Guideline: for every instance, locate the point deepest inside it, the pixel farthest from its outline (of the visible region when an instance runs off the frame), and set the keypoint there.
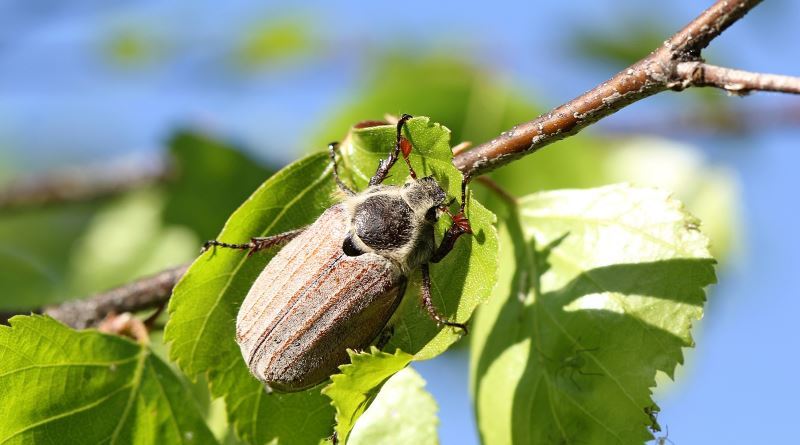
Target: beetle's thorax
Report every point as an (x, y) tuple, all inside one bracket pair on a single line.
[(396, 222)]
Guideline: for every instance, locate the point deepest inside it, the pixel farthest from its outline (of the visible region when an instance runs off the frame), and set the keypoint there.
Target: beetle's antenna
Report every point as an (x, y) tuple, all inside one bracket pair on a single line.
[(401, 144)]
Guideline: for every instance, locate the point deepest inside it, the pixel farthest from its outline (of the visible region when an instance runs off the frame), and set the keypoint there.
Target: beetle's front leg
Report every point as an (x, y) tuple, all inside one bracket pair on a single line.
[(425, 292), (401, 144), (257, 244)]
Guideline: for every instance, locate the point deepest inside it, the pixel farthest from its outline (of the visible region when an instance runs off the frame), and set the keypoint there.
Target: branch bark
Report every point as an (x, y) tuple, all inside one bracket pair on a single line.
[(655, 73), (148, 292)]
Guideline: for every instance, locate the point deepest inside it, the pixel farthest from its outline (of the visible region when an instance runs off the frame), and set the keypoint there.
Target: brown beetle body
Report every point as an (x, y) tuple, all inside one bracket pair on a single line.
[(338, 282), (312, 302)]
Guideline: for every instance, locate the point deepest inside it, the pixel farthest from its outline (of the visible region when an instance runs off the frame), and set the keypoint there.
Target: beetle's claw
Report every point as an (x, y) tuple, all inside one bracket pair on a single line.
[(461, 326), (462, 222)]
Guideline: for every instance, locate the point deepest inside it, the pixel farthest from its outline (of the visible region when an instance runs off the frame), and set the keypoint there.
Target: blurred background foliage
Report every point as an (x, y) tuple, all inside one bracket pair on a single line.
[(224, 97)]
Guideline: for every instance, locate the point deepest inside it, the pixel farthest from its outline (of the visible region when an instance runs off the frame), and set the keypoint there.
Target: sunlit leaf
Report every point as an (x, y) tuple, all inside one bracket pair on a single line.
[(402, 414), (356, 387), (600, 293), (709, 191)]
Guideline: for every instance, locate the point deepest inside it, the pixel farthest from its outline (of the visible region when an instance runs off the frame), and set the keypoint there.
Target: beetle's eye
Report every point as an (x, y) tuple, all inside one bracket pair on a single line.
[(431, 215)]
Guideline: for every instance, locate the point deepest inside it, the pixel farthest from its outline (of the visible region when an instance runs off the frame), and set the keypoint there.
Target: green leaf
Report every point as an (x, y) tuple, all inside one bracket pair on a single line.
[(54, 379), (356, 387), (403, 413), (212, 178), (711, 192), (126, 239), (204, 304), (606, 286)]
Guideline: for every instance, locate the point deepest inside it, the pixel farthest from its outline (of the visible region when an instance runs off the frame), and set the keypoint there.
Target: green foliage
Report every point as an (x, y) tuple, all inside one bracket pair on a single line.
[(35, 249), (599, 293), (62, 386), (212, 177), (630, 42), (135, 46), (477, 105), (126, 238), (356, 387), (403, 414), (272, 42), (205, 302)]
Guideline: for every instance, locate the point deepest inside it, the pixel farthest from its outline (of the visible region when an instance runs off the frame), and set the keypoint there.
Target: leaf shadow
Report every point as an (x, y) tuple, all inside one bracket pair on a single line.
[(590, 367)]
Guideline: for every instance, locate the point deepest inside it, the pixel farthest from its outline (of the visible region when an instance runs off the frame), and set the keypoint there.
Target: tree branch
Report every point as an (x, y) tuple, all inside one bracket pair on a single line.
[(655, 73), (148, 292), (738, 82)]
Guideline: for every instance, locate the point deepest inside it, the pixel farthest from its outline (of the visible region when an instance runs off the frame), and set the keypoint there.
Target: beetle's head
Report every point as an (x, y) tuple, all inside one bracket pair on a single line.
[(425, 196)]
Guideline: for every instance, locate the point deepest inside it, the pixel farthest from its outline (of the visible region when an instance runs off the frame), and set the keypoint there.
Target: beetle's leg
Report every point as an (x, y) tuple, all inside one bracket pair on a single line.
[(342, 186), (258, 243), (459, 227), (400, 143), (426, 301)]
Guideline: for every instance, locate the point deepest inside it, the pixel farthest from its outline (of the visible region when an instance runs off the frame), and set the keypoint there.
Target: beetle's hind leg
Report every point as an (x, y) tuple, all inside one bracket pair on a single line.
[(342, 186), (428, 303), (256, 244)]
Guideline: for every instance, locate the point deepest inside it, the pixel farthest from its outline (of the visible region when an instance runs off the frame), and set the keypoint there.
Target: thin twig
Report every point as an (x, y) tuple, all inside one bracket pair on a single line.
[(497, 189), (655, 73), (737, 82)]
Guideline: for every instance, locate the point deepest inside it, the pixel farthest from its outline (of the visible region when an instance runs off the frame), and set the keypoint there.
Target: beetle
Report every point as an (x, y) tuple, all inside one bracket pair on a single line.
[(335, 284)]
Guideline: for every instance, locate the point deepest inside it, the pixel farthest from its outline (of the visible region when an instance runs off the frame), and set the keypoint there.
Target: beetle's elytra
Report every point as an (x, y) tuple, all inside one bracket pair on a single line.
[(337, 282)]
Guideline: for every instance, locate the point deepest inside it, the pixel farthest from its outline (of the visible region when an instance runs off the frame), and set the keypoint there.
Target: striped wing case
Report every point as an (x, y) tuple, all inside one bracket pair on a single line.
[(311, 303)]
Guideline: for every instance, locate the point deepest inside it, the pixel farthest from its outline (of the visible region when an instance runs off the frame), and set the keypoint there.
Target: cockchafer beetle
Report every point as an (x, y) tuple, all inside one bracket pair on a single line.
[(336, 283)]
